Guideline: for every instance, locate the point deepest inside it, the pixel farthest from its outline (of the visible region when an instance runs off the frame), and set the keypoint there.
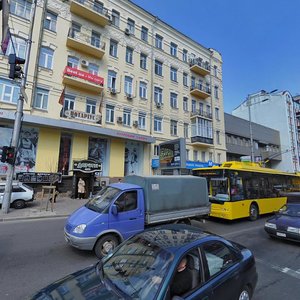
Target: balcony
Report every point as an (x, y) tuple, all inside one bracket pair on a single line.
[(88, 44), (91, 11), (198, 66), (201, 113), (202, 134), (83, 80), (200, 91)]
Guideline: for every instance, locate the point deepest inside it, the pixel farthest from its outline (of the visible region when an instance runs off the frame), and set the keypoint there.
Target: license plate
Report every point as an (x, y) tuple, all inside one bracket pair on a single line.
[(281, 234)]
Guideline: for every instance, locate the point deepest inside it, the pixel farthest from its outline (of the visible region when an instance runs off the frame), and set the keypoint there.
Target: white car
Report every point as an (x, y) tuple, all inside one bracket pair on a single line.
[(21, 193)]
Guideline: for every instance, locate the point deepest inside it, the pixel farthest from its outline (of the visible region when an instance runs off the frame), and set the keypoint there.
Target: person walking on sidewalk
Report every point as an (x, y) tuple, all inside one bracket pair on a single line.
[(81, 188)]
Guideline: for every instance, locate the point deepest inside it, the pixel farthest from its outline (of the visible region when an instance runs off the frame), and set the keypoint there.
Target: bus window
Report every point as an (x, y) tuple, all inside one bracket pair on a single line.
[(236, 188), (219, 188)]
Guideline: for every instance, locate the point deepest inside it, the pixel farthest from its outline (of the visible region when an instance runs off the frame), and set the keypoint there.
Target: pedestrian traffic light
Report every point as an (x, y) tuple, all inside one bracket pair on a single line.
[(15, 70), (4, 154)]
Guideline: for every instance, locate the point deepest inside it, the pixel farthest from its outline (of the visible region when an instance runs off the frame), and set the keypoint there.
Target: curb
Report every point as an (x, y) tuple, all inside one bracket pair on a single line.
[(32, 218)]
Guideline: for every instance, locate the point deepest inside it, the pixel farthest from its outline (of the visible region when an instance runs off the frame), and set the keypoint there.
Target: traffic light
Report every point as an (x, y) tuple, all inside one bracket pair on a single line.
[(8, 155), (15, 70), (4, 154)]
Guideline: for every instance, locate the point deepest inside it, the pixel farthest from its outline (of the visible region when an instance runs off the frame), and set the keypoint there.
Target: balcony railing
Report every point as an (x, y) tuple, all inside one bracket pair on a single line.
[(200, 91), (85, 43), (90, 10), (197, 65), (201, 113)]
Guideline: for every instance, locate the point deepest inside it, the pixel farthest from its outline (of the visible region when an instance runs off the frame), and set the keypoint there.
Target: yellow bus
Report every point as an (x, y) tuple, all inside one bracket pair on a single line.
[(245, 189)]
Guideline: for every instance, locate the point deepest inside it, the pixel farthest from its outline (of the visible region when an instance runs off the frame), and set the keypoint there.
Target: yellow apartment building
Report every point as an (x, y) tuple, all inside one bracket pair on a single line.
[(109, 82)]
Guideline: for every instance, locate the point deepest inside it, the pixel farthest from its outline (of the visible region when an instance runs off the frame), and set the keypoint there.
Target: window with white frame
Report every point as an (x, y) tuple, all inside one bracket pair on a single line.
[(142, 120), (73, 62), (41, 98), (157, 124), (203, 156), (158, 95), (46, 58), (75, 30), (215, 71), (127, 117), (110, 113), (143, 90), (217, 114), (173, 49), (17, 45), (173, 100), (69, 102), (98, 7), (111, 79), (158, 41), (21, 8), (193, 105), (195, 155), (219, 158), (185, 104), (216, 92), (184, 55), (208, 109), (185, 79), (158, 67), (129, 55), (143, 61), (144, 34), (128, 86), (173, 127), (130, 25), (9, 92), (218, 137), (207, 89), (115, 18), (186, 130), (193, 82), (156, 150), (90, 106), (173, 74), (210, 154), (93, 69), (113, 48), (187, 154), (201, 108), (50, 21), (96, 39)]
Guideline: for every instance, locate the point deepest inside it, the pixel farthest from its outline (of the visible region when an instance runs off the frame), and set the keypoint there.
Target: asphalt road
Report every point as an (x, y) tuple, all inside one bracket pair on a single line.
[(34, 254)]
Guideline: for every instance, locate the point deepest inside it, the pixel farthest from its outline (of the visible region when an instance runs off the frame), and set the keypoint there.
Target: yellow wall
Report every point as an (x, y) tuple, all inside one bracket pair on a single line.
[(79, 147), (47, 150), (116, 162)]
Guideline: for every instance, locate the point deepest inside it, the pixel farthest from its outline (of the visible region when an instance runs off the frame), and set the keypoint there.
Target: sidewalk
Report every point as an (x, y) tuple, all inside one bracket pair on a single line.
[(37, 209)]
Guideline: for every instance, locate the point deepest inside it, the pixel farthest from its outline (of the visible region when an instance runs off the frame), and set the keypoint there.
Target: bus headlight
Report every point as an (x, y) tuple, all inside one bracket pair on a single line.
[(80, 228), (270, 225), (293, 230)]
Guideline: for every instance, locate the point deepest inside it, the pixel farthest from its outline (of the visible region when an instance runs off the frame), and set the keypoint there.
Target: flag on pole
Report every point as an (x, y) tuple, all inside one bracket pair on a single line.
[(61, 99)]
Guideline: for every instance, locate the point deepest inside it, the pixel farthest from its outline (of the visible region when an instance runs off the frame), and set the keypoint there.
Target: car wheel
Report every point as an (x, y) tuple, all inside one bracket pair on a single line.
[(105, 244), (18, 204), (245, 294), (253, 214)]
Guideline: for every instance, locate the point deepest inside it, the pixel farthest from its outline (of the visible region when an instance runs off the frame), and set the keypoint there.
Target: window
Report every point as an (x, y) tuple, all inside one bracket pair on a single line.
[(173, 127), (203, 156), (157, 124), (95, 39), (75, 30), (90, 106), (8, 91), (173, 74), (130, 25), (173, 49), (184, 55), (208, 109), (93, 69), (126, 117), (112, 78), (110, 113), (187, 154), (185, 104), (128, 85), (158, 41), (186, 130), (219, 158), (173, 100), (98, 7), (193, 106), (41, 98), (144, 34), (158, 95), (193, 82), (143, 61), (217, 115), (73, 62), (129, 55), (113, 48), (210, 156), (156, 150), (50, 21), (195, 155), (143, 90), (158, 67), (185, 79), (46, 58), (69, 102), (17, 45), (216, 92), (21, 8), (115, 18), (201, 110), (207, 90), (215, 71), (218, 137), (127, 201), (142, 120)]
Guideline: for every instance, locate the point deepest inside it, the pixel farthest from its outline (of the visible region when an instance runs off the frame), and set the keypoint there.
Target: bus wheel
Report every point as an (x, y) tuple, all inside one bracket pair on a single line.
[(253, 212)]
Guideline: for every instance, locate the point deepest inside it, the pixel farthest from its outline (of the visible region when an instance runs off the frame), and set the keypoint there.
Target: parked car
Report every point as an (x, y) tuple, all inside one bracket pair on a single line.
[(21, 194), (146, 265), (285, 224)]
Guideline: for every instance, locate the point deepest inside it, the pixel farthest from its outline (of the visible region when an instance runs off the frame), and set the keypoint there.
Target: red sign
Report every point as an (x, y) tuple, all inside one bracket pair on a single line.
[(84, 75)]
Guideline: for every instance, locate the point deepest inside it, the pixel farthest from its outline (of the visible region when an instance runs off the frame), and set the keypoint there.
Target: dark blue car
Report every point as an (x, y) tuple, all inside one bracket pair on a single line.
[(285, 224), (167, 262)]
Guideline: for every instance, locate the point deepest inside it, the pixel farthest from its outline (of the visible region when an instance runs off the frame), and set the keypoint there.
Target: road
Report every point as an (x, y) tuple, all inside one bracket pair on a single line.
[(34, 254)]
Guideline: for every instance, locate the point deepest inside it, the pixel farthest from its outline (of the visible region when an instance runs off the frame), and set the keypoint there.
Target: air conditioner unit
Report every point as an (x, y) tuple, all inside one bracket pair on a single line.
[(135, 123), (127, 31), (158, 105), (84, 63), (119, 120), (113, 91), (129, 96)]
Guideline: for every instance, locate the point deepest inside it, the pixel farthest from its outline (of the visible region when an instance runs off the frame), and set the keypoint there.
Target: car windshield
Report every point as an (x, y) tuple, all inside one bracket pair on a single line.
[(101, 200), (292, 210), (137, 268), (219, 187)]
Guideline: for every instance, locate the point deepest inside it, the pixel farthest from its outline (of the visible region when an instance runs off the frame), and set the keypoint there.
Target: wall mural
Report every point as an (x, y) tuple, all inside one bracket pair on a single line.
[(133, 158), (98, 152)]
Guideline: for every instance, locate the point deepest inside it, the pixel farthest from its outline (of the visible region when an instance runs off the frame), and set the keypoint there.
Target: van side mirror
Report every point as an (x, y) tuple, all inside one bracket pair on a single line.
[(114, 209)]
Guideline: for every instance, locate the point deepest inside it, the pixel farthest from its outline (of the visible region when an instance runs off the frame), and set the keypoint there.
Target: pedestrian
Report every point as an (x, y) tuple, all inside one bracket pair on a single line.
[(81, 188)]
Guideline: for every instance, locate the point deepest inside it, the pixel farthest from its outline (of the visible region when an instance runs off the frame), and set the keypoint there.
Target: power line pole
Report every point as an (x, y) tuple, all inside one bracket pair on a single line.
[(18, 119)]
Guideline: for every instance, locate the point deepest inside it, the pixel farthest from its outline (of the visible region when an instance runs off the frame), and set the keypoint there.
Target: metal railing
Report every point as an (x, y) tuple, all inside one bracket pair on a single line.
[(94, 6), (201, 87), (199, 62), (87, 39)]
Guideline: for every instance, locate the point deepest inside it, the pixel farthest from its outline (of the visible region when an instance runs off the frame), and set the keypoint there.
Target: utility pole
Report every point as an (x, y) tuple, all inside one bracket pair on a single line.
[(250, 128), (18, 118)]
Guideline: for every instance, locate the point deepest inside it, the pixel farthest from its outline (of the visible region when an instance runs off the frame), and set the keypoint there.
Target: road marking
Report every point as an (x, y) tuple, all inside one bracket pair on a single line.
[(285, 270)]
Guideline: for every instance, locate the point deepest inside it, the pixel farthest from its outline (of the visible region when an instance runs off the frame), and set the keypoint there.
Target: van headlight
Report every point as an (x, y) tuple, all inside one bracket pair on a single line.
[(80, 228), (293, 230), (270, 225)]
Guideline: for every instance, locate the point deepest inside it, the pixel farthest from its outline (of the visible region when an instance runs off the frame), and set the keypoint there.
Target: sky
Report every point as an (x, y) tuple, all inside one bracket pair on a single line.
[(258, 39)]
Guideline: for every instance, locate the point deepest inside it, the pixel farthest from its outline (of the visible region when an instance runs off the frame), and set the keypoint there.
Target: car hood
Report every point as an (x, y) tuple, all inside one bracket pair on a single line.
[(82, 215), (284, 221), (84, 284)]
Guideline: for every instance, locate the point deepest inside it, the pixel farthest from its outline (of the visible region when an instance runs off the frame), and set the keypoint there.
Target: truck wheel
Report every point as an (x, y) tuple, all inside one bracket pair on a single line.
[(253, 213), (183, 221), (19, 204), (105, 244)]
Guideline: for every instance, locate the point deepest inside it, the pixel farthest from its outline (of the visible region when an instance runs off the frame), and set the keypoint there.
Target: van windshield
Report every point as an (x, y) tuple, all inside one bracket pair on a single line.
[(102, 200)]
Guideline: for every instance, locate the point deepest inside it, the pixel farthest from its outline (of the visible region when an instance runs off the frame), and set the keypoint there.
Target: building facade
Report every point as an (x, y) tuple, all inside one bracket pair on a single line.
[(107, 81), (275, 110)]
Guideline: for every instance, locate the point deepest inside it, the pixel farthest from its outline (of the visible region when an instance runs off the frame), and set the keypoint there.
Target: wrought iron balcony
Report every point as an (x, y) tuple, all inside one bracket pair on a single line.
[(199, 91), (198, 66), (201, 113)]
